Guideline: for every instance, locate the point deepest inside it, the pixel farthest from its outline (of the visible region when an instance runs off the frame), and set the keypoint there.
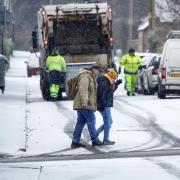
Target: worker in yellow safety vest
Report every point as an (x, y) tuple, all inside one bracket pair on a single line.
[(57, 68), (132, 64)]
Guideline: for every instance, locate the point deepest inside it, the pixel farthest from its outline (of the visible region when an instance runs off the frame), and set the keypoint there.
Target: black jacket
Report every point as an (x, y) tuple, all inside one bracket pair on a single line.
[(104, 93)]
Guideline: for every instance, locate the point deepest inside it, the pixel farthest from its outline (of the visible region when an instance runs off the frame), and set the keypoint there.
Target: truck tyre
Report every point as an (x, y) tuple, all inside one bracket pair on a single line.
[(161, 92), (146, 92), (151, 91), (45, 90), (59, 95), (2, 89), (29, 74)]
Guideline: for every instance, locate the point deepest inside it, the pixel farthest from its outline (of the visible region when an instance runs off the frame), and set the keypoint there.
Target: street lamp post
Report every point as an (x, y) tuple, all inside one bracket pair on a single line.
[(2, 30), (2, 42)]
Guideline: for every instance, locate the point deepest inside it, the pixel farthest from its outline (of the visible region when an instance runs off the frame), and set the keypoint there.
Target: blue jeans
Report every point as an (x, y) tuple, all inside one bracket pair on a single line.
[(85, 116), (107, 118)]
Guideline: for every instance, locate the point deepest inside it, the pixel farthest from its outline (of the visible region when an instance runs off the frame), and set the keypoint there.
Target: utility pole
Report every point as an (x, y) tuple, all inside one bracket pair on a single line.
[(151, 14), (130, 23)]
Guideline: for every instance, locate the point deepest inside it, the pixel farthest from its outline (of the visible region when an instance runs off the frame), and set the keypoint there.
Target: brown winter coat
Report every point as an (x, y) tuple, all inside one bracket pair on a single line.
[(87, 92)]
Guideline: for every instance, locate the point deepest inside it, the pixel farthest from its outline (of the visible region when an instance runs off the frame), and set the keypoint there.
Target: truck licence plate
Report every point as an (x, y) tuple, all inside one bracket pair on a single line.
[(175, 75)]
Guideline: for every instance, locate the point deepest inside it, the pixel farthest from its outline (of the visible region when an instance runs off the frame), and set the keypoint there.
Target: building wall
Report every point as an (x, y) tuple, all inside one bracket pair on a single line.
[(140, 41), (143, 42)]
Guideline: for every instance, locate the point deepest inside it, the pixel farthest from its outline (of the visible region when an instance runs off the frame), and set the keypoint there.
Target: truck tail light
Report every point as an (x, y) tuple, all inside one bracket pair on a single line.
[(154, 71), (45, 42), (109, 10), (111, 40), (163, 73), (43, 12)]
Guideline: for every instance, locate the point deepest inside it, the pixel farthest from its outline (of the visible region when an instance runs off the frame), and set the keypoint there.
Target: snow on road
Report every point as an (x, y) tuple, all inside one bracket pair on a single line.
[(31, 126), (13, 108)]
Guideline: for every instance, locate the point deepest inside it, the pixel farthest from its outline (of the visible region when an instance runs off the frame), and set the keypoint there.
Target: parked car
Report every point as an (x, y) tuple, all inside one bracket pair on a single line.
[(142, 81), (4, 65), (142, 54), (32, 64), (169, 70), (152, 74)]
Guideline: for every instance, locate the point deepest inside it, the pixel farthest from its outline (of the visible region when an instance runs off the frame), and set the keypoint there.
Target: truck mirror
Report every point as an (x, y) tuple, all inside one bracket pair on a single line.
[(34, 40)]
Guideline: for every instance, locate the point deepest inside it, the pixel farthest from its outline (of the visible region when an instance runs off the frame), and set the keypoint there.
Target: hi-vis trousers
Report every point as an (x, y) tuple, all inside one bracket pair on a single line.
[(131, 81)]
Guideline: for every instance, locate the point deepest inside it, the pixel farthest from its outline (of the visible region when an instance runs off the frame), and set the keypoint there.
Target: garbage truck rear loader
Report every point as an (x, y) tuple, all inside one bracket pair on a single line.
[(81, 32)]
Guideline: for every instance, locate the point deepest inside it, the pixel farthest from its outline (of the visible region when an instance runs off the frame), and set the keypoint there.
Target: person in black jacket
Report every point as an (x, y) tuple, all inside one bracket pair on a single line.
[(105, 89)]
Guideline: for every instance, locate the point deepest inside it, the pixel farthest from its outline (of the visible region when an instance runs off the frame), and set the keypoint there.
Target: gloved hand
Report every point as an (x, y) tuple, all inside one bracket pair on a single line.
[(119, 71), (102, 108), (118, 82), (140, 67)]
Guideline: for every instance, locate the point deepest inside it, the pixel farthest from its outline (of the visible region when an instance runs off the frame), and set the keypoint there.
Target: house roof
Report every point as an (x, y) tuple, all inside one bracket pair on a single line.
[(143, 25)]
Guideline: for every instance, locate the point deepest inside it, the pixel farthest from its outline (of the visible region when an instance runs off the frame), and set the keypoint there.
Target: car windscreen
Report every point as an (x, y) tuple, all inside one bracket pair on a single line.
[(174, 57), (147, 60)]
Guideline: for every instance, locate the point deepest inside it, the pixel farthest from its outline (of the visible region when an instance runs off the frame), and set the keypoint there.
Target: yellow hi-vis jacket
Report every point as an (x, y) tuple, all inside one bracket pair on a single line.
[(56, 63), (131, 64)]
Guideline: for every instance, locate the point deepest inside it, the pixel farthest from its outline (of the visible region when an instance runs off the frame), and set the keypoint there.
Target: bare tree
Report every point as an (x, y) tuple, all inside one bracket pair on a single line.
[(171, 7)]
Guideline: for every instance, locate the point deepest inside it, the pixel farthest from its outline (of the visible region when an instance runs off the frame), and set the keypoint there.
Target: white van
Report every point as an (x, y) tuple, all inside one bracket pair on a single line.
[(169, 69)]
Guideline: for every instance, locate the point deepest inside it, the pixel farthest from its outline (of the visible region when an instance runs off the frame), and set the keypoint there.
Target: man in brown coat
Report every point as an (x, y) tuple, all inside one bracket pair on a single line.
[(85, 104)]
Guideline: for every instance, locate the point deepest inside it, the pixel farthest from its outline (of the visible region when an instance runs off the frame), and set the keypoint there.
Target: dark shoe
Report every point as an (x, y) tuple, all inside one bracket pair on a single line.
[(108, 142), (133, 94), (128, 93), (97, 143), (77, 145)]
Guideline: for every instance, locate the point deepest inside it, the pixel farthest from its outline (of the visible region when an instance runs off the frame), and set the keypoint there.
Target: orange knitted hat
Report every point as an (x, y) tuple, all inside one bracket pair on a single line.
[(112, 73)]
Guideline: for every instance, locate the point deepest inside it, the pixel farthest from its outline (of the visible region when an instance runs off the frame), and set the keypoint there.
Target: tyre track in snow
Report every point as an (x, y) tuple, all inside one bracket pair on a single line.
[(142, 121), (68, 129), (156, 132), (167, 166), (107, 155), (97, 154)]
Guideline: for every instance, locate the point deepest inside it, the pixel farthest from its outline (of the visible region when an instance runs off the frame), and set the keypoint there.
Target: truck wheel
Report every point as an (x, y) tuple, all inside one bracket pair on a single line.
[(151, 91), (59, 96), (2, 89), (45, 91), (161, 92), (46, 95), (146, 92), (29, 75)]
